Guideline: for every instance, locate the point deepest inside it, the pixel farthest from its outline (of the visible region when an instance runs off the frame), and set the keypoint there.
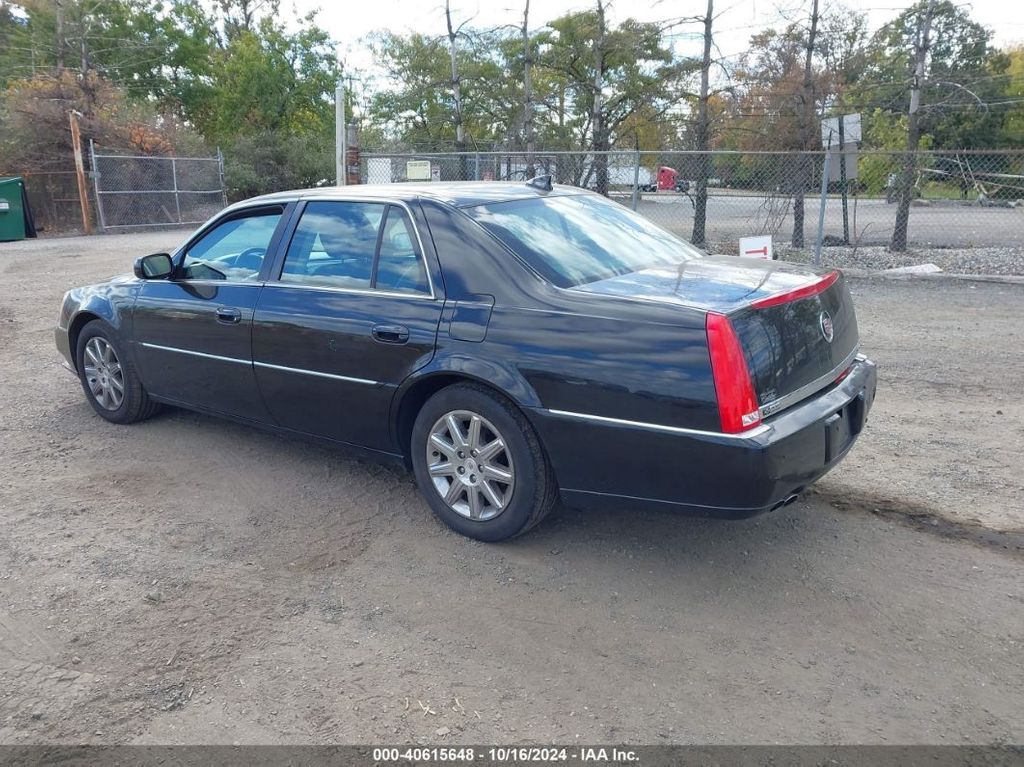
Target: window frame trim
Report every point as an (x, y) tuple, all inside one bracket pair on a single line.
[(273, 278)]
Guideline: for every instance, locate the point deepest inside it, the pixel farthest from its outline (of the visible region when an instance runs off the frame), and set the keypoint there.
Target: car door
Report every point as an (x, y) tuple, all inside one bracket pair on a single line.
[(352, 313), (193, 332)]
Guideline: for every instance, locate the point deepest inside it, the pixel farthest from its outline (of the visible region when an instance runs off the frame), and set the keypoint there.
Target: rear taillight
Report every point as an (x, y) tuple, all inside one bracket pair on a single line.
[(820, 285), (737, 405)]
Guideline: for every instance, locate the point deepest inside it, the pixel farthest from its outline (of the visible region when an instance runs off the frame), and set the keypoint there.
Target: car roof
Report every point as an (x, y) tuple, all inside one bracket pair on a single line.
[(461, 194)]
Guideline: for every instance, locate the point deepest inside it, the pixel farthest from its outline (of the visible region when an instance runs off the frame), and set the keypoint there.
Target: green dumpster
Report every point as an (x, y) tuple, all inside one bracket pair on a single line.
[(15, 216)]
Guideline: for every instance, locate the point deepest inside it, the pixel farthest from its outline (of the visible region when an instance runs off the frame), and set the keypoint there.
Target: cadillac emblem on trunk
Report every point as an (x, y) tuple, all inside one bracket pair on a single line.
[(825, 320)]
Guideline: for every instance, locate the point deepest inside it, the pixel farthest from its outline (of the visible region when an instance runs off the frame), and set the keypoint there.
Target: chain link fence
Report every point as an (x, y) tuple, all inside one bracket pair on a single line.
[(135, 191), (53, 197), (958, 199)]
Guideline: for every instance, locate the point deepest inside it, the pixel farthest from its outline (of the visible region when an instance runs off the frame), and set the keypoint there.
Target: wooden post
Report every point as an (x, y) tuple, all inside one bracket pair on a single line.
[(83, 190)]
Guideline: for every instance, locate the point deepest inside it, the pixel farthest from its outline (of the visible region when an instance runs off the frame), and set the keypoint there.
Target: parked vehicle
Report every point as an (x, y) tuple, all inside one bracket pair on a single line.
[(511, 343)]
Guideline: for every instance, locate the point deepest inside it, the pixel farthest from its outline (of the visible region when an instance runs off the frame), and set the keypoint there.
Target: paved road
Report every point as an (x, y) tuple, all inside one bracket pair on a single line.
[(941, 224), (188, 580)]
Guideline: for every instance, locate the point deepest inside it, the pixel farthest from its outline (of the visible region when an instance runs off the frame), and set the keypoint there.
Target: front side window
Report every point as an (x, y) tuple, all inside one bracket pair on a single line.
[(360, 245), (576, 239), (233, 250)]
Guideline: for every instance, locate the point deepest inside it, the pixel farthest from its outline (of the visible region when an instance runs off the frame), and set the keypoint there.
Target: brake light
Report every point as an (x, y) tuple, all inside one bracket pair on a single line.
[(820, 285), (737, 405)]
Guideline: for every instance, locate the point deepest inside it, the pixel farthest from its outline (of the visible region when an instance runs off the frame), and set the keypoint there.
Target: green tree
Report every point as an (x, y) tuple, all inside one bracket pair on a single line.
[(605, 75), (964, 74)]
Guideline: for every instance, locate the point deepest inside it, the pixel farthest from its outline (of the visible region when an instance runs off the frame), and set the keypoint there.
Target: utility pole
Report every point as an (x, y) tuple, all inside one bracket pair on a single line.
[(528, 124), (340, 134), (61, 39), (700, 201), (83, 190), (906, 191)]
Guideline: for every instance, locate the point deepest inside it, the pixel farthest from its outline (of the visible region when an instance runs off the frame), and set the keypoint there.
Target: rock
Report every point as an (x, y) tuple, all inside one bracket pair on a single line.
[(76, 660), (915, 269), (155, 597), (441, 731)]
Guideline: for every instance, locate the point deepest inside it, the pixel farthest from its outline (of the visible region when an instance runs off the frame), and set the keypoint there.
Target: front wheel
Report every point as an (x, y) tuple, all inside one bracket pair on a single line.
[(479, 464), (108, 378)]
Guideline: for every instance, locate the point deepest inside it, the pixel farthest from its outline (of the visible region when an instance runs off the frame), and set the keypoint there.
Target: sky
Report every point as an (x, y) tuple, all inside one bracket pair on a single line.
[(348, 21)]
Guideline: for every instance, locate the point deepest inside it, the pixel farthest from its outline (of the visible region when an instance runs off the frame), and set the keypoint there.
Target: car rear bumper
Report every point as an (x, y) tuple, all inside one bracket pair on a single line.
[(605, 462)]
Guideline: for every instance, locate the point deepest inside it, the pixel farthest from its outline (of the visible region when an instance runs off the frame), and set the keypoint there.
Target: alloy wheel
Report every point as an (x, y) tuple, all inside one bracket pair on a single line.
[(103, 373), (470, 465)]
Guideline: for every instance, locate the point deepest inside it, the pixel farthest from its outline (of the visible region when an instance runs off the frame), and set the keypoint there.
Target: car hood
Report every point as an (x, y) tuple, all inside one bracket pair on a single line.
[(722, 283)]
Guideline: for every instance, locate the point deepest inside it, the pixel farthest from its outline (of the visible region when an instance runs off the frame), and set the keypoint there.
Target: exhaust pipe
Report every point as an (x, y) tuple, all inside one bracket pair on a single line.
[(785, 501)]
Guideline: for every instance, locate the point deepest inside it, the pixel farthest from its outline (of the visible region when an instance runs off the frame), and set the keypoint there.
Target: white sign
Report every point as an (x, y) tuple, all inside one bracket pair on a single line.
[(849, 155), (417, 170), (830, 130), (756, 247), (435, 173)]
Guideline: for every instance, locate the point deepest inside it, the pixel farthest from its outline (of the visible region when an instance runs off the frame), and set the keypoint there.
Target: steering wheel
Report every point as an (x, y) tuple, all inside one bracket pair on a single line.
[(250, 258)]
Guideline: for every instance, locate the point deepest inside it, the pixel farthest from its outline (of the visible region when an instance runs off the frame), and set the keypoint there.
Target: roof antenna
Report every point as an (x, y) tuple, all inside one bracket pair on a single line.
[(542, 182)]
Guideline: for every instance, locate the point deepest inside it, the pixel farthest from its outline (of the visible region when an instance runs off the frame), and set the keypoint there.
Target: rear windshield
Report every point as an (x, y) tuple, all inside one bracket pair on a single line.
[(575, 239)]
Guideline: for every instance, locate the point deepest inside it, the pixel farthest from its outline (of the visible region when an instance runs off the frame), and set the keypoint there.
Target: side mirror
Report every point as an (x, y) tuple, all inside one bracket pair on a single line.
[(156, 266)]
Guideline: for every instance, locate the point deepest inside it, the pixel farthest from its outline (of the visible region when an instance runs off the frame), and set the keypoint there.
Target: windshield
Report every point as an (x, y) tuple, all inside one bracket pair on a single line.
[(575, 239)]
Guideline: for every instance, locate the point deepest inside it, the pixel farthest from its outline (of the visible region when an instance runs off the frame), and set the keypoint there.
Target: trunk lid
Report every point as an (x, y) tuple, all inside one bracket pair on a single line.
[(785, 338)]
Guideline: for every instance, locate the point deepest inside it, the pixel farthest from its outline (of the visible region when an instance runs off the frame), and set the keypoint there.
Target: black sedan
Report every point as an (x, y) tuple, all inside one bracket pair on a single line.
[(512, 344)]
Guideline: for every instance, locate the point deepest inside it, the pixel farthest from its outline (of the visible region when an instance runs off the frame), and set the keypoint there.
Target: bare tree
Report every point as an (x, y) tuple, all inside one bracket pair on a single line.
[(807, 131), (906, 181), (700, 201), (597, 124), (529, 128), (456, 84)]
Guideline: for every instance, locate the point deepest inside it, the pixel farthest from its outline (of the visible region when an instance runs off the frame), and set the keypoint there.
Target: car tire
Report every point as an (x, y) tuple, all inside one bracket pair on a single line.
[(108, 377), (526, 500)]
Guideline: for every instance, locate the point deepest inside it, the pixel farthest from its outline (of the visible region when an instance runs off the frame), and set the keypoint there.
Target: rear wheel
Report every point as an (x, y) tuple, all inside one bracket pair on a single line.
[(108, 378), (480, 465)]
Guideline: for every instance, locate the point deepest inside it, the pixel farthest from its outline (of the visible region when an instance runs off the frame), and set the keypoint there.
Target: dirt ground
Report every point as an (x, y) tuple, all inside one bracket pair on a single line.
[(188, 580)]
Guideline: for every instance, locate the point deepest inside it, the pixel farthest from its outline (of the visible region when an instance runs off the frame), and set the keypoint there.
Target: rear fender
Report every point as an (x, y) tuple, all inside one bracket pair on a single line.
[(449, 369)]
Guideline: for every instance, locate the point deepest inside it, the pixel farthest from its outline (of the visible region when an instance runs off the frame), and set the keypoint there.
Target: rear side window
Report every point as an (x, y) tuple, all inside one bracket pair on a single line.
[(361, 245), (334, 245), (399, 265), (576, 239)]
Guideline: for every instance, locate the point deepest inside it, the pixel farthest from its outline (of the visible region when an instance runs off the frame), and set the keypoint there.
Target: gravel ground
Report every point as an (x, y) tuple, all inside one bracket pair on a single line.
[(189, 580), (1001, 261)]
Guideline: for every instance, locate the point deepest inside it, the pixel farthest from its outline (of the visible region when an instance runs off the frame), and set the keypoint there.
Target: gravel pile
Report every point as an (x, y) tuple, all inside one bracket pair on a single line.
[(1004, 261)]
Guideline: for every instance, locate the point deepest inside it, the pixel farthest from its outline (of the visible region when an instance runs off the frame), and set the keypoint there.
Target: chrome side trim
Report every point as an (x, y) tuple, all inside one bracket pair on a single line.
[(807, 390), (283, 368), (756, 431), (358, 291), (214, 283), (318, 374), (192, 353)]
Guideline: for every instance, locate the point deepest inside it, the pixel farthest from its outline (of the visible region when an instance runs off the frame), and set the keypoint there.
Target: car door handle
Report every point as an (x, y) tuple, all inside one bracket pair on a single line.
[(228, 316), (390, 334)]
